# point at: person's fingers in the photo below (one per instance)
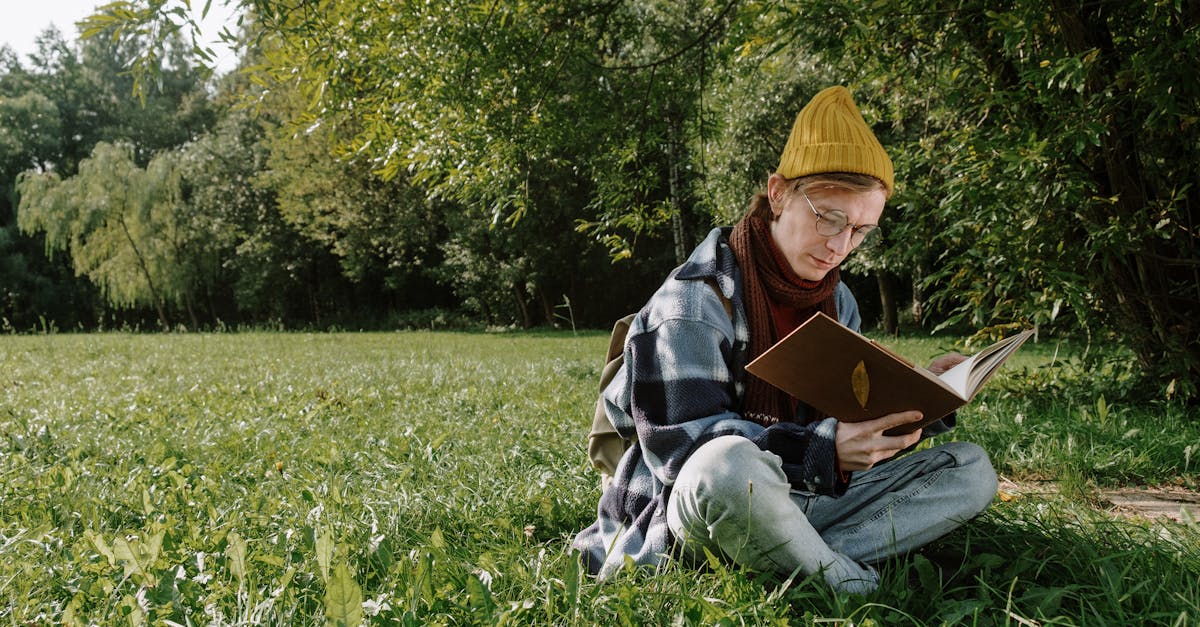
(909, 439)
(897, 419)
(945, 362)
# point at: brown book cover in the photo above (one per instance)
(853, 378)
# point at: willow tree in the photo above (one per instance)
(117, 221)
(552, 126)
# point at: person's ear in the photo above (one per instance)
(776, 192)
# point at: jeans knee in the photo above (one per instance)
(975, 474)
(729, 467)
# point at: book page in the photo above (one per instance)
(967, 377)
(957, 376)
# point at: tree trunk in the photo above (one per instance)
(187, 302)
(678, 231)
(159, 306)
(522, 307)
(1139, 280)
(547, 308)
(314, 291)
(887, 302)
(918, 295)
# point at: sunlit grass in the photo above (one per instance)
(436, 478)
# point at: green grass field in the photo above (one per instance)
(436, 478)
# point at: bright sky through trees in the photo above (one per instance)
(25, 21)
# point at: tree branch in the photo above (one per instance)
(701, 38)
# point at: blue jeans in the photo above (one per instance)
(733, 499)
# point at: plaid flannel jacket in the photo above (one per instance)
(681, 386)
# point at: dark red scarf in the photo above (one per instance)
(767, 280)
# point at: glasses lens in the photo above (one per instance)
(866, 235)
(831, 223)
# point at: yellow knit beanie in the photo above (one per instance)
(830, 135)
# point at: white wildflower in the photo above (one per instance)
(140, 597)
(201, 576)
(373, 543)
(372, 607)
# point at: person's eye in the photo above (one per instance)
(836, 219)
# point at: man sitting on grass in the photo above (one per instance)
(726, 462)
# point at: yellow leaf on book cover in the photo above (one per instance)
(861, 384)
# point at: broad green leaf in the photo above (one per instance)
(101, 545)
(479, 596)
(235, 551)
(343, 598)
(324, 546)
(147, 503)
(424, 578)
(926, 573)
(573, 576)
(285, 580)
(135, 614)
(138, 556)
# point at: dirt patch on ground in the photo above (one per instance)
(1172, 503)
(1164, 503)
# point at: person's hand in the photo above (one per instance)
(861, 445)
(945, 362)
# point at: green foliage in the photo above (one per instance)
(55, 112)
(436, 478)
(251, 263)
(119, 223)
(343, 598)
(30, 136)
(1046, 155)
(29, 131)
(505, 117)
(374, 226)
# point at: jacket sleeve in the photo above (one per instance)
(809, 454)
(681, 392)
(681, 396)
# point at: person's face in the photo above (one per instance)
(810, 254)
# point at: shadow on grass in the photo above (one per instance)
(1015, 565)
(1039, 566)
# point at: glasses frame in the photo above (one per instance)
(858, 236)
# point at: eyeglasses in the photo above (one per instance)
(833, 222)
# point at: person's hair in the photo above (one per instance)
(849, 181)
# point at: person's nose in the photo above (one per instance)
(840, 243)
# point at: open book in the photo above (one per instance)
(849, 376)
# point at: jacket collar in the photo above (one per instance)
(713, 259)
